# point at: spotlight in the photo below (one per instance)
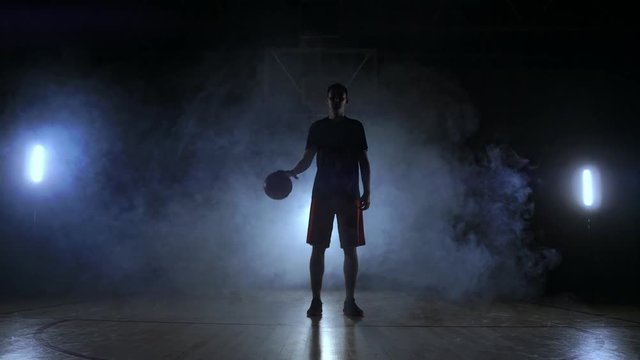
(36, 164)
(588, 187)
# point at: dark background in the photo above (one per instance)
(556, 80)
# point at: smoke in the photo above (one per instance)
(445, 220)
(152, 196)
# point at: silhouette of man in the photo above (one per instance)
(341, 147)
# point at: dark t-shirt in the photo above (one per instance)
(338, 144)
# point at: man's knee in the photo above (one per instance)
(350, 252)
(318, 251)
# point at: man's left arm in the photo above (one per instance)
(365, 173)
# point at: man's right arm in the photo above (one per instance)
(304, 163)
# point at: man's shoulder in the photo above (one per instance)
(327, 121)
(353, 121)
(319, 121)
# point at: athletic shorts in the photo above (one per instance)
(321, 214)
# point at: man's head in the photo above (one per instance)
(337, 98)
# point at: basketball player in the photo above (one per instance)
(341, 146)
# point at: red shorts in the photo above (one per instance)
(350, 227)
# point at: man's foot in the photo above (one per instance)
(351, 309)
(315, 309)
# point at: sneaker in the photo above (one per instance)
(351, 309)
(315, 309)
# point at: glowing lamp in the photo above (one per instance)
(587, 187)
(589, 190)
(36, 164)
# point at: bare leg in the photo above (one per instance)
(316, 269)
(350, 270)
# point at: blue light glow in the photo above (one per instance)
(587, 188)
(37, 164)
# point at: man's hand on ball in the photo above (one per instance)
(290, 173)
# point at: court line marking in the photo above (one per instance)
(586, 313)
(37, 335)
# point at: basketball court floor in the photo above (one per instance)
(273, 325)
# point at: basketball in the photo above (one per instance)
(277, 185)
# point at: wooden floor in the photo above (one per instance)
(272, 325)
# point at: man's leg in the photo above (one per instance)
(350, 268)
(350, 274)
(351, 236)
(316, 269)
